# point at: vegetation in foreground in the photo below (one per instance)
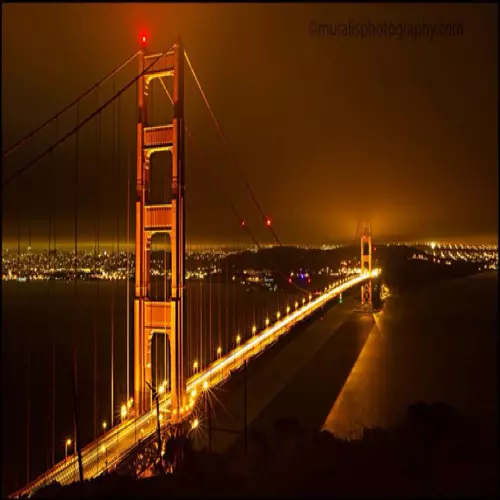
(434, 452)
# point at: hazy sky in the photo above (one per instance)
(328, 129)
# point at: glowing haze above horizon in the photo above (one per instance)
(327, 130)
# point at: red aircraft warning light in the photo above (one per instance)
(268, 222)
(242, 223)
(143, 39)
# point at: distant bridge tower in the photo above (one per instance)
(159, 317)
(366, 265)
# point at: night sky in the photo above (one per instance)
(327, 129)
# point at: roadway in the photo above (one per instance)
(299, 379)
(106, 452)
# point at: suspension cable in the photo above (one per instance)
(231, 204)
(69, 106)
(219, 129)
(356, 234)
(84, 122)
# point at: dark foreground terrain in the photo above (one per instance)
(434, 452)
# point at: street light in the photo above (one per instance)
(130, 403)
(66, 444)
(105, 451)
(195, 366)
(238, 340)
(296, 304)
(278, 315)
(156, 397)
(287, 309)
(303, 300)
(104, 425)
(254, 330)
(161, 389)
(267, 321)
(195, 423)
(123, 412)
(219, 352)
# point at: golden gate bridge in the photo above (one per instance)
(190, 369)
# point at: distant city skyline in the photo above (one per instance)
(68, 245)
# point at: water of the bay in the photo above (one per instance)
(434, 343)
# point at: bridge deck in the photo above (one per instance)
(107, 451)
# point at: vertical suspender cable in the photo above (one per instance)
(219, 315)
(236, 291)
(30, 185)
(200, 357)
(186, 296)
(94, 338)
(75, 354)
(166, 295)
(55, 221)
(53, 396)
(128, 276)
(28, 430)
(254, 319)
(28, 417)
(233, 293)
(210, 347)
(112, 291)
(97, 259)
(53, 381)
(18, 274)
(112, 358)
(227, 305)
(118, 191)
(189, 304)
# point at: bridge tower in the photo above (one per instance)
(366, 265)
(159, 317)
